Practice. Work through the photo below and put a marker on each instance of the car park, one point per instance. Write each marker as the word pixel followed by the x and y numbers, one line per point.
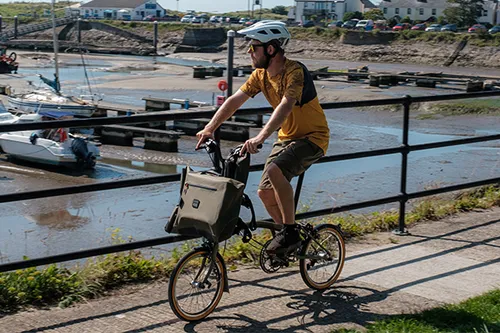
pixel 401 26
pixel 198 19
pixel 381 25
pixel 434 28
pixel 449 27
pixel 214 19
pixel 419 26
pixel 366 25
pixel 232 20
pixel 477 28
pixel 494 30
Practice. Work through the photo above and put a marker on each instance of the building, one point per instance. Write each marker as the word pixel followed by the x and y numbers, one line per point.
pixel 329 9
pixel 121 9
pixel 427 10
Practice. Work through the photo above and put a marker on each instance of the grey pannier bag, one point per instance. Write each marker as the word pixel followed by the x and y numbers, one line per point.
pixel 209 206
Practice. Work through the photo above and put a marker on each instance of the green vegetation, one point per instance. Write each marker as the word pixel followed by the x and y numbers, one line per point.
pixel 28 11
pixel 465 12
pixel 489 106
pixel 480 314
pixel 53 285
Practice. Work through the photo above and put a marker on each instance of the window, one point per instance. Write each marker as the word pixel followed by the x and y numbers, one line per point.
pixel 396 11
pixel 305 4
pixel 421 12
pixel 408 11
pixel 434 11
pixel 485 13
pixel 137 13
pixel 385 10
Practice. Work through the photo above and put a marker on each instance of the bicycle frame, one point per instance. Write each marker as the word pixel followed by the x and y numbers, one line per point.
pixel 213 249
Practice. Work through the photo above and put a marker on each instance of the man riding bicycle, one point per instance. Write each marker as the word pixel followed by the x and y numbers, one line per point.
pixel 303 136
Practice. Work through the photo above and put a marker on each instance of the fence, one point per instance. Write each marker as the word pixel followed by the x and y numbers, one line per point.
pixel 402 197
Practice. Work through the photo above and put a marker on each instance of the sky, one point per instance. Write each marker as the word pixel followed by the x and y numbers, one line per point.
pixel 215 6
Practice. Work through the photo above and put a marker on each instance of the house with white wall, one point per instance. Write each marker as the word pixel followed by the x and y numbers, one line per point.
pixel 425 10
pixel 330 9
pixel 121 9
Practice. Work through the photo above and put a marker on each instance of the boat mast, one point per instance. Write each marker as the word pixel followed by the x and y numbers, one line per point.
pixel 56 47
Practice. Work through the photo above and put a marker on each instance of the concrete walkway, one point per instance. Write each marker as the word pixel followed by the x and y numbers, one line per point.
pixel 441 262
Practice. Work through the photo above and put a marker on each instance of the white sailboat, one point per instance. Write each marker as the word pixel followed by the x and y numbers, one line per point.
pixel 51 100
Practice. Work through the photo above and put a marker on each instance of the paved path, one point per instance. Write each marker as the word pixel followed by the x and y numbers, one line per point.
pixel 384 275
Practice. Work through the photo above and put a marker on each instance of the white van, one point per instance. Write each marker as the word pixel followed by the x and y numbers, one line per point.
pixel 366 25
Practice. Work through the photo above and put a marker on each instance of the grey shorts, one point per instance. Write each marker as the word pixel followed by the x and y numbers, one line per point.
pixel 292 157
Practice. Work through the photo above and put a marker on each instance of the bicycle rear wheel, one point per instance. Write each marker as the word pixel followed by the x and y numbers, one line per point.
pixel 190 297
pixel 322 257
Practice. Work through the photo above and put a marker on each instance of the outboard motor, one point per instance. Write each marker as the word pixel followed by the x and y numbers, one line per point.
pixel 83 156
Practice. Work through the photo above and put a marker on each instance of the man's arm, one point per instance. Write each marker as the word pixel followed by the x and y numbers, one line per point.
pixel 226 110
pixel 277 118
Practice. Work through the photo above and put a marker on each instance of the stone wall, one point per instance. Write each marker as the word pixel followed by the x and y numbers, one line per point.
pixel 204 37
pixel 367 38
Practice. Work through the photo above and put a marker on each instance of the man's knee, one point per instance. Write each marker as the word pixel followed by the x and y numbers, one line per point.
pixel 267 196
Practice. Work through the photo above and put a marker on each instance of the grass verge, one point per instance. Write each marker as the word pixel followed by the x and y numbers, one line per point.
pixel 479 314
pixel 54 285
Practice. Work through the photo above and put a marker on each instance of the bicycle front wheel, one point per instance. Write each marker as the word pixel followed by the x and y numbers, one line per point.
pixel 191 293
pixel 322 257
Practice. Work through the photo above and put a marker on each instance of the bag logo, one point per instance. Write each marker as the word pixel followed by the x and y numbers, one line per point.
pixel 196 203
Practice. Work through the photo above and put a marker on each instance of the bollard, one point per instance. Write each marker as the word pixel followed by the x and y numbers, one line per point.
pixel 155 38
pixel 16 22
pixel 186 103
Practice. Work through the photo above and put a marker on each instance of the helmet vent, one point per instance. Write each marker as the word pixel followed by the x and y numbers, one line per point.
pixel 263 32
pixel 275 31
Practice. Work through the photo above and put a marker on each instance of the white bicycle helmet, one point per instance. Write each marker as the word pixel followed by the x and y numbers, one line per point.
pixel 265 31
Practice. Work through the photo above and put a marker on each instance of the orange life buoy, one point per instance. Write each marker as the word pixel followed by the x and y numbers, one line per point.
pixel 222 85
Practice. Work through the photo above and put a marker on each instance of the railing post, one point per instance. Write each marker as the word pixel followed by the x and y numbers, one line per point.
pixel 155 38
pixel 79 30
pixel 230 54
pixel 298 188
pixel 402 231
pixel 1 24
pixel 16 22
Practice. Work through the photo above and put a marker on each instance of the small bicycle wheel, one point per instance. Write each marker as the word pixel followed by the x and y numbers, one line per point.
pixel 322 257
pixel 191 296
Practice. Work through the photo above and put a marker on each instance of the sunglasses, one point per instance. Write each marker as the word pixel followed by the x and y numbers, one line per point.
pixel 252 47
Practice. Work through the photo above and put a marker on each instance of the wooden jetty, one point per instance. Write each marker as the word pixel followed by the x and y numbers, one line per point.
pixel 154 139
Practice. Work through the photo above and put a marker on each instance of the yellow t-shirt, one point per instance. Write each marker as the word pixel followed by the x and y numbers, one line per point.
pixel 307 119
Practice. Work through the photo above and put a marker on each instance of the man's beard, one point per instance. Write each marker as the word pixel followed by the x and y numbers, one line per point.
pixel 262 63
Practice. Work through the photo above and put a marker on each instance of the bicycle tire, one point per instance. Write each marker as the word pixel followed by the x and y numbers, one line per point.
pixel 311 248
pixel 189 269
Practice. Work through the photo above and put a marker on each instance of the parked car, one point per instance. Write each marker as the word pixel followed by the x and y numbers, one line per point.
pixel 434 28
pixel 187 18
pixel 251 22
pixel 214 19
pixel 243 20
pixel 306 24
pixel 366 25
pixel 335 24
pixel 494 30
pixel 419 26
pixel 477 28
pixel 401 26
pixel 198 19
pixel 449 27
pixel 232 20
pixel 381 25
pixel 351 24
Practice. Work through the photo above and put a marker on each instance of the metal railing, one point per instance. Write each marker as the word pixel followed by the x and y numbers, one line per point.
pixel 402 197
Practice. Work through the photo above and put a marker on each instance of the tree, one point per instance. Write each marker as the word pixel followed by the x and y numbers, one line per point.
pixel 406 19
pixel 281 10
pixel 464 12
pixel 374 14
pixel 352 15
